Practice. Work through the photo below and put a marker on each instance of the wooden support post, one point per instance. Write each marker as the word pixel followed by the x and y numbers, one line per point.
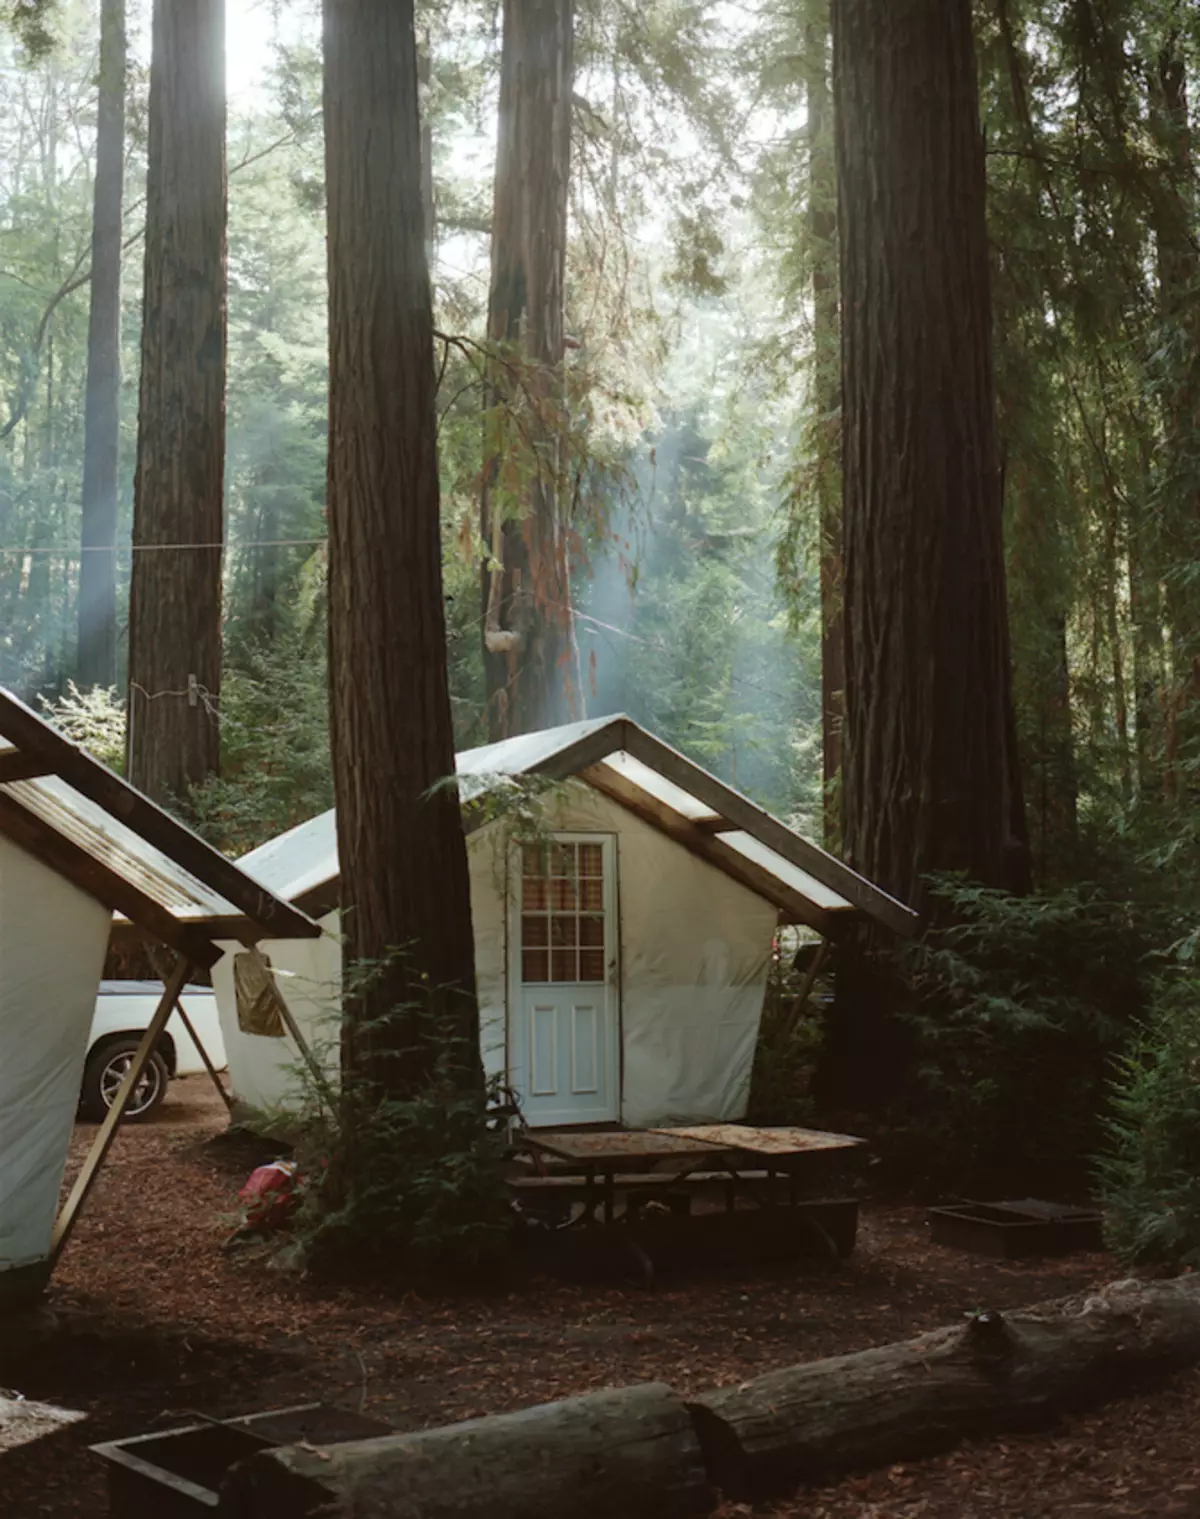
pixel 807 985
pixel 208 1065
pixel 191 1030
pixel 108 1129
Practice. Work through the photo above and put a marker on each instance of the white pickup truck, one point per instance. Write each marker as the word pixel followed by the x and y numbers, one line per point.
pixel 123 1013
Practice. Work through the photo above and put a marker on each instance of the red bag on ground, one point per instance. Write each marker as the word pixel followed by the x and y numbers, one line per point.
pixel 269 1195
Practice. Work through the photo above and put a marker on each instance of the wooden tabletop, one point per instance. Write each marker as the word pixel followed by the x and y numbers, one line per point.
pixel 713 1142
pixel 612 1148
pixel 751 1139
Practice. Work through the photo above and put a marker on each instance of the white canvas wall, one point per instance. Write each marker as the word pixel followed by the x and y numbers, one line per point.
pixel 53 939
pixel 695 950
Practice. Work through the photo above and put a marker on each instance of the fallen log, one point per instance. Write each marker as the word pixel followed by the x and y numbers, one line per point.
pixel 629 1451
pixel 994 1372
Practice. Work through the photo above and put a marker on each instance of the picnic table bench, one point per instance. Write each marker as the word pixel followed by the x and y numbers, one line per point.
pixel 611 1175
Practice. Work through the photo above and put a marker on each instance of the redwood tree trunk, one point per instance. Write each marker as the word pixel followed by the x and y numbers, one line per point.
pixel 175 596
pixel 96 662
pixel 530 655
pixel 406 907
pixel 822 235
pixel 931 780
pixel 1178 276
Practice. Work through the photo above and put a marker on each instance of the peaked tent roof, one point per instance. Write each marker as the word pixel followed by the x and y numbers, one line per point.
pixel 619 758
pixel 77 816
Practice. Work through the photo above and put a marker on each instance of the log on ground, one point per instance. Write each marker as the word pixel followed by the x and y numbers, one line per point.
pixel 630 1451
pixel 994 1372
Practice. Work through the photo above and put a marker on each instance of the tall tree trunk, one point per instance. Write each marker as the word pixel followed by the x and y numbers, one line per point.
pixel 931 780
pixel 403 854
pixel 425 90
pixel 1176 232
pixel 1149 662
pixel 96 660
pixel 530 655
pixel 175 595
pixel 826 404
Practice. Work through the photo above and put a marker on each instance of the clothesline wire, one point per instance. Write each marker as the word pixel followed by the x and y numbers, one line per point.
pixel 142 548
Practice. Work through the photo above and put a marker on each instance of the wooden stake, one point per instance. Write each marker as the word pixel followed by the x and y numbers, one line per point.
pixel 817 961
pixel 163 975
pixel 108 1129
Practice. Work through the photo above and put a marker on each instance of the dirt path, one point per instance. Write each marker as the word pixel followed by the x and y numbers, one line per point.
pixel 153 1319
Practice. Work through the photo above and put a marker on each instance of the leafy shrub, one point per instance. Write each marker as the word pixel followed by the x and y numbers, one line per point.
pixel 275 767
pixel 413 1181
pixel 93 719
pixel 1018 1013
pixel 1150 1175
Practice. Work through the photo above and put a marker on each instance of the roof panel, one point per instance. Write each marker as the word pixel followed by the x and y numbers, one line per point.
pixel 306 857
pixel 527 752
pixel 298 860
pixel 785 872
pixel 658 786
pixel 54 802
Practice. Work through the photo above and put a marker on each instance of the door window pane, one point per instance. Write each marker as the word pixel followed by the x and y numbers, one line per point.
pixel 534 965
pixel 563 965
pixel 562 912
pixel 591 965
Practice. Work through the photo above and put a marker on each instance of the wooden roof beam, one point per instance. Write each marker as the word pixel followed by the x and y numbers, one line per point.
pixel 794 907
pixel 104 884
pixel 752 819
pixel 59 756
pixel 16 766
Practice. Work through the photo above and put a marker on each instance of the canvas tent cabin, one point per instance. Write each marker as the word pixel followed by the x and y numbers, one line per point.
pixel 622 942
pixel 77 844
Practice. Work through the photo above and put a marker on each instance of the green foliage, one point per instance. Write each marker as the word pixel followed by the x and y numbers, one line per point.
pixel 412 1181
pixel 1150 1173
pixel 275 767
pixel 32 22
pixel 93 719
pixel 1018 1013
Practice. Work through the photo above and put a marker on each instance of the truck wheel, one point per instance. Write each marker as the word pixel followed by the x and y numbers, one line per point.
pixel 104 1072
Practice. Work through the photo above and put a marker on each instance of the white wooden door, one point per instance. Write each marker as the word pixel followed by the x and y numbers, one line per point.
pixel 563 991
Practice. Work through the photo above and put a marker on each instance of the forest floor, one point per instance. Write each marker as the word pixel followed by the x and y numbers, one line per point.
pixel 149 1318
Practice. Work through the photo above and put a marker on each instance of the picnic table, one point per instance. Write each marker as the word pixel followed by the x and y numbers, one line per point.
pixel 598 1167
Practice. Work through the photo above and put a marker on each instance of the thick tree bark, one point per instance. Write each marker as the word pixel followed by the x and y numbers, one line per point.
pixel 406 907
pixel 930 770
pixel 1175 226
pixel 630 1451
pixel 905 1400
pixel 96 662
pixel 1149 653
pixel 826 403
pixel 175 595
pixel 530 655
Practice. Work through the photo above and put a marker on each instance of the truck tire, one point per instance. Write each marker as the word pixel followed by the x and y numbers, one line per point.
pixel 104 1072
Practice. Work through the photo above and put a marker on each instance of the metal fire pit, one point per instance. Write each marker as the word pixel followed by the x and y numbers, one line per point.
pixel 177 1473
pixel 1011 1230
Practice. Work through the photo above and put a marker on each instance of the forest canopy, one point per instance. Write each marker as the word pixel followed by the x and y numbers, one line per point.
pixel 897 531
